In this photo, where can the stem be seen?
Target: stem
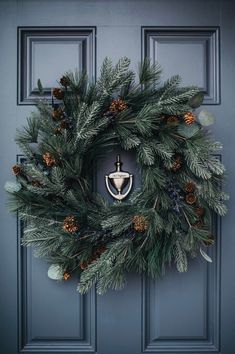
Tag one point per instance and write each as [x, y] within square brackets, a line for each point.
[40, 239]
[179, 136]
[187, 219]
[75, 255]
[155, 203]
[126, 121]
[42, 219]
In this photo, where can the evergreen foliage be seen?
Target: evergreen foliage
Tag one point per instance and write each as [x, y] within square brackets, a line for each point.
[56, 177]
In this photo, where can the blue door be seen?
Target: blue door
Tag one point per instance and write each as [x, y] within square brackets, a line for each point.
[181, 313]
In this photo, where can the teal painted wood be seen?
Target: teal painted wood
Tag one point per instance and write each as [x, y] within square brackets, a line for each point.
[181, 313]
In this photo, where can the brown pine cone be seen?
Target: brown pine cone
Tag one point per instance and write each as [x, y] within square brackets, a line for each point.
[58, 93]
[49, 159]
[70, 224]
[177, 163]
[16, 169]
[57, 131]
[84, 265]
[199, 211]
[140, 224]
[64, 81]
[172, 120]
[64, 124]
[67, 276]
[190, 198]
[117, 105]
[189, 187]
[58, 114]
[36, 183]
[189, 118]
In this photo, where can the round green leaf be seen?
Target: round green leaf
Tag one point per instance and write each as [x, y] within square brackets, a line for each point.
[206, 118]
[12, 187]
[196, 100]
[188, 131]
[55, 272]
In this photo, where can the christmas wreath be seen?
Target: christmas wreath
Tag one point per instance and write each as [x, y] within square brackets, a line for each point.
[164, 221]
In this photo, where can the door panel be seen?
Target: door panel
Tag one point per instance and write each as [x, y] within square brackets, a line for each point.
[180, 313]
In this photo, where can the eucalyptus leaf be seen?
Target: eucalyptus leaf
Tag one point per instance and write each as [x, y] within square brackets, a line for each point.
[55, 272]
[205, 256]
[196, 100]
[40, 88]
[188, 131]
[206, 118]
[12, 187]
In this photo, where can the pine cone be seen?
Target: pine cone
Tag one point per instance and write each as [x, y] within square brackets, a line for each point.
[199, 211]
[70, 224]
[16, 169]
[99, 251]
[64, 81]
[189, 187]
[172, 120]
[58, 114]
[117, 105]
[48, 159]
[66, 276]
[84, 265]
[58, 93]
[190, 198]
[64, 125]
[36, 183]
[57, 131]
[177, 163]
[140, 223]
[189, 118]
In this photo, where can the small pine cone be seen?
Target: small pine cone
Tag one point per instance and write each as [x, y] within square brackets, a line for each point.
[199, 211]
[189, 118]
[70, 224]
[117, 105]
[84, 265]
[36, 183]
[16, 169]
[140, 224]
[190, 198]
[48, 159]
[58, 114]
[64, 124]
[177, 163]
[66, 276]
[64, 81]
[172, 120]
[57, 131]
[189, 187]
[99, 251]
[58, 93]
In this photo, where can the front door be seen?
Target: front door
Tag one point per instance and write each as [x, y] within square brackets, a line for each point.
[181, 313]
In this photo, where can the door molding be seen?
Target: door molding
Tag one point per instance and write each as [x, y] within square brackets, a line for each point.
[209, 341]
[48, 50]
[172, 43]
[85, 339]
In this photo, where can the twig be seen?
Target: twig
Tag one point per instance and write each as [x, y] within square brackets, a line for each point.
[155, 203]
[186, 218]
[179, 136]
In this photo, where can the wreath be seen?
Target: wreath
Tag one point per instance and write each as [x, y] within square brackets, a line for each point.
[164, 221]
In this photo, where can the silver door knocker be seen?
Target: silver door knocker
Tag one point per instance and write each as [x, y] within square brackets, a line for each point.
[119, 180]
